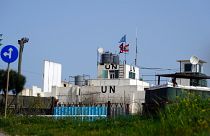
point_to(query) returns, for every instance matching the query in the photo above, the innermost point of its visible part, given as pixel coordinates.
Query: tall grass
(188, 116)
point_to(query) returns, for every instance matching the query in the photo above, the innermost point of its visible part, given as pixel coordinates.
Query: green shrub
(190, 115)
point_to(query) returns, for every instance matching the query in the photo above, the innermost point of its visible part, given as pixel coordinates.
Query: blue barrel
(56, 111)
(73, 110)
(70, 110)
(99, 111)
(89, 111)
(66, 110)
(76, 110)
(86, 110)
(104, 111)
(62, 110)
(96, 110)
(93, 110)
(79, 111)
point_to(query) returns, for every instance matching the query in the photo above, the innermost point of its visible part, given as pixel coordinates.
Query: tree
(15, 84)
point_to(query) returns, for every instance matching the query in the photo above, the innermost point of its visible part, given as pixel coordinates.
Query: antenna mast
(136, 48)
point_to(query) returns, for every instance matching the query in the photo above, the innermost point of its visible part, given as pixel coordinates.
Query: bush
(190, 115)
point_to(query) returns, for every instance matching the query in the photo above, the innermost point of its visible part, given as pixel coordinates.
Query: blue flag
(123, 39)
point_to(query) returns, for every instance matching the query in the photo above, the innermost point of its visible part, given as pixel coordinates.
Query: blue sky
(70, 31)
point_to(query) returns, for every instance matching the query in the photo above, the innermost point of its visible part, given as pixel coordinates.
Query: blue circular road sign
(9, 53)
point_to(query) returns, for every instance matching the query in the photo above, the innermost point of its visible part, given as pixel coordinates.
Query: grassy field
(191, 116)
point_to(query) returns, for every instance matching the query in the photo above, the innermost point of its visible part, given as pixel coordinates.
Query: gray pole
(21, 42)
(19, 70)
(20, 58)
(5, 109)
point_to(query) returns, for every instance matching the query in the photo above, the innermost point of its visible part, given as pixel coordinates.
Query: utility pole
(21, 42)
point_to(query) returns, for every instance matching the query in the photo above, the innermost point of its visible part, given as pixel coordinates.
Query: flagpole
(125, 57)
(125, 52)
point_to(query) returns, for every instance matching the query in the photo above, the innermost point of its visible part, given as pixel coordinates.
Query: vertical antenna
(97, 57)
(136, 48)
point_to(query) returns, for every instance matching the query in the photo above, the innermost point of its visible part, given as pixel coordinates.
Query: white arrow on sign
(9, 53)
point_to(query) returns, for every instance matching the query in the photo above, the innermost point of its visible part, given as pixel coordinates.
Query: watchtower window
(112, 74)
(188, 67)
(132, 75)
(200, 68)
(104, 74)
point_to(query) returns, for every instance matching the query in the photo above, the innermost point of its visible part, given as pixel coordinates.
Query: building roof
(190, 75)
(170, 85)
(200, 61)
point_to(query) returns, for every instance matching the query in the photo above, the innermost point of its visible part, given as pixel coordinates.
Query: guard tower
(193, 67)
(191, 73)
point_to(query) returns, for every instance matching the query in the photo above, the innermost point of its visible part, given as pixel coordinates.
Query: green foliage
(190, 111)
(189, 116)
(15, 82)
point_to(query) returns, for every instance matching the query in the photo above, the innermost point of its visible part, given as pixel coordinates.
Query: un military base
(118, 101)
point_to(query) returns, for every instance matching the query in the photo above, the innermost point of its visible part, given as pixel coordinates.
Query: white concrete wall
(181, 81)
(26, 92)
(128, 91)
(100, 69)
(66, 94)
(117, 82)
(134, 69)
(122, 94)
(52, 75)
(35, 91)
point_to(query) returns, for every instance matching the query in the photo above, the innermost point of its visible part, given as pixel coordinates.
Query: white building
(117, 83)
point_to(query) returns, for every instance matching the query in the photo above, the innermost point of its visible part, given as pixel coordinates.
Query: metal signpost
(9, 54)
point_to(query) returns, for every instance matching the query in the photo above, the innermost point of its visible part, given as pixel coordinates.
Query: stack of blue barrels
(89, 113)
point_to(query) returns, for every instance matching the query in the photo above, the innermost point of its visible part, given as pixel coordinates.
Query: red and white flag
(124, 48)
